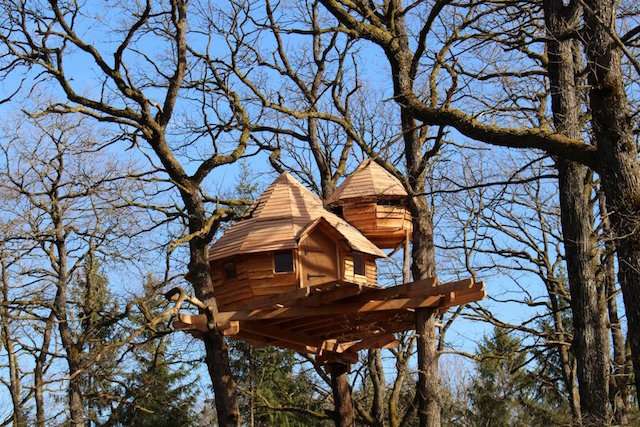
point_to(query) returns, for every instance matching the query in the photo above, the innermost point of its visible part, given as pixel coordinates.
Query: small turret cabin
(289, 241)
(374, 201)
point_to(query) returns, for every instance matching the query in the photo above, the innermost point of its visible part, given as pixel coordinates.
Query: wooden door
(319, 259)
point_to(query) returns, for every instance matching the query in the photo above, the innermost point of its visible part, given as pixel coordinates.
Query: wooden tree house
(374, 201)
(298, 276)
(289, 242)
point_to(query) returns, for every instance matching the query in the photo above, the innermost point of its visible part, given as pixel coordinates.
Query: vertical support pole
(406, 260)
(344, 414)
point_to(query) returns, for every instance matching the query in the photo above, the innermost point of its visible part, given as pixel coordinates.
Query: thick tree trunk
(76, 405)
(423, 266)
(588, 307)
(217, 353)
(344, 414)
(217, 358)
(376, 373)
(617, 156)
(344, 411)
(428, 387)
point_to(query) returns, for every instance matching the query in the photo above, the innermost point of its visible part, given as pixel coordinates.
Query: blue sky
(374, 72)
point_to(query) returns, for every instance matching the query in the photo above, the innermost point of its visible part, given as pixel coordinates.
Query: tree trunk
(428, 387)
(38, 372)
(74, 395)
(423, 266)
(588, 305)
(15, 386)
(588, 308)
(69, 342)
(376, 373)
(618, 388)
(344, 415)
(217, 353)
(617, 156)
(217, 358)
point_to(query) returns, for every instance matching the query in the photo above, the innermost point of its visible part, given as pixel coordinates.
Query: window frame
(275, 264)
(360, 256)
(225, 271)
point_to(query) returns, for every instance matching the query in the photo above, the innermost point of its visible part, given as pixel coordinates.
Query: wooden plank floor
(335, 320)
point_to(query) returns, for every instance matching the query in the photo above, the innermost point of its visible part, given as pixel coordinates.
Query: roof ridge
(274, 223)
(368, 179)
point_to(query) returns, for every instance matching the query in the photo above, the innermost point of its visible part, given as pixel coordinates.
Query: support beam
(280, 334)
(330, 310)
(379, 341)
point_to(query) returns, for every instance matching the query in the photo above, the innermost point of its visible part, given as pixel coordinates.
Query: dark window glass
(391, 202)
(358, 264)
(283, 262)
(229, 270)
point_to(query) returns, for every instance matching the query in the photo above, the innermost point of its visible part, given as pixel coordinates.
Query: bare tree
(612, 156)
(7, 325)
(590, 338)
(511, 226)
(139, 89)
(61, 206)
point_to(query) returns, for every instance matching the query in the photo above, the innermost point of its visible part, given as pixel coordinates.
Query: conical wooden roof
(368, 180)
(279, 217)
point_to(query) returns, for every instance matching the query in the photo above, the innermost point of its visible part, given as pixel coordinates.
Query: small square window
(358, 264)
(229, 270)
(283, 262)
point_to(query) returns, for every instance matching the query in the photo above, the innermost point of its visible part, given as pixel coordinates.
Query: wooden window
(283, 262)
(358, 264)
(229, 270)
(391, 202)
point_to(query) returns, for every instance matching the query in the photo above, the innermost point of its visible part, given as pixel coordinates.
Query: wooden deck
(335, 320)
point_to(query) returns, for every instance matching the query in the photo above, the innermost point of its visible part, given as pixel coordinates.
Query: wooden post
(406, 260)
(344, 414)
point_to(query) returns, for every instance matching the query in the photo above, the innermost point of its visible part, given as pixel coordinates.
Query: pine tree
(269, 379)
(94, 310)
(159, 389)
(500, 391)
(159, 395)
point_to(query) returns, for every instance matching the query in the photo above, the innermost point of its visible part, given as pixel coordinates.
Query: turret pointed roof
(279, 217)
(368, 180)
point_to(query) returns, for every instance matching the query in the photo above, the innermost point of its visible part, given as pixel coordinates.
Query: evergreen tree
(500, 393)
(159, 389)
(159, 395)
(94, 310)
(270, 380)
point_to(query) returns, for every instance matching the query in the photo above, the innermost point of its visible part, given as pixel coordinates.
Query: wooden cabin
(375, 202)
(290, 241)
(298, 276)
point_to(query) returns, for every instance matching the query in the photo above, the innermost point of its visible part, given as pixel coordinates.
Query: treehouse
(290, 241)
(374, 201)
(297, 276)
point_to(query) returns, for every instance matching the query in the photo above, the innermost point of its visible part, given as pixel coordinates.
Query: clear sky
(502, 283)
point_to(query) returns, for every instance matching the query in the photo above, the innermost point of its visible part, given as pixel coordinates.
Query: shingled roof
(368, 180)
(279, 217)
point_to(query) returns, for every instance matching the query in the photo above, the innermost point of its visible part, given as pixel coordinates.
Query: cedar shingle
(278, 218)
(368, 180)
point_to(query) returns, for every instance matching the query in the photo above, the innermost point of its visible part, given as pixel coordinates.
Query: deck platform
(334, 321)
